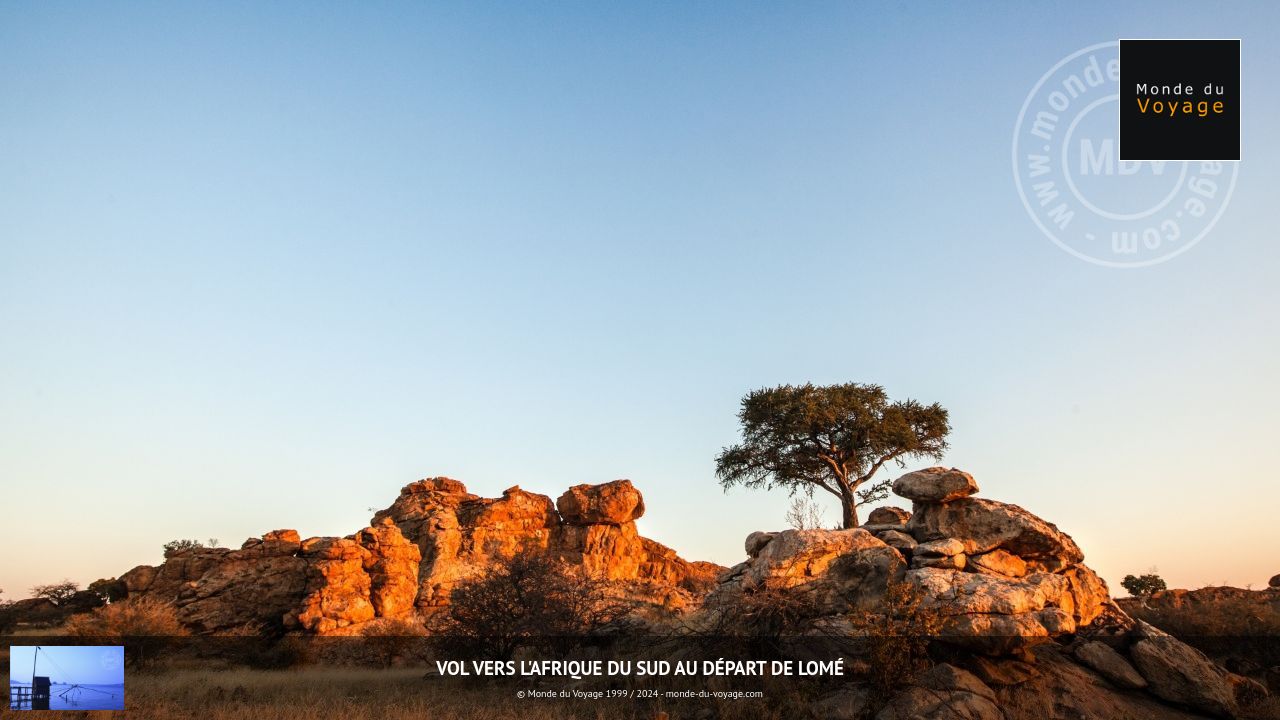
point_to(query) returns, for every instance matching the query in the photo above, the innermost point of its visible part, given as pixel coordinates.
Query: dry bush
(136, 617)
(394, 640)
(805, 513)
(899, 634)
(530, 601)
(1226, 618)
(145, 626)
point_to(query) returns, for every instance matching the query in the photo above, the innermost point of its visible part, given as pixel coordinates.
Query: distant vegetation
(175, 546)
(57, 593)
(1141, 586)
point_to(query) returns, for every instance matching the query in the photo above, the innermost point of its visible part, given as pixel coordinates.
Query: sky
(263, 264)
(78, 665)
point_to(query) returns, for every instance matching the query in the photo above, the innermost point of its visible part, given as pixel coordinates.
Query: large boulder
(839, 570)
(888, 516)
(996, 614)
(986, 525)
(1064, 689)
(139, 579)
(944, 692)
(612, 503)
(1108, 663)
(1274, 581)
(1180, 674)
(935, 485)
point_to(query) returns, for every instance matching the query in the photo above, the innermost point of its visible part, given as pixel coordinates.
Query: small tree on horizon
(56, 593)
(833, 437)
(1143, 586)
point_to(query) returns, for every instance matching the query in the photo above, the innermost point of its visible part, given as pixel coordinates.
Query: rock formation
(1007, 588)
(1029, 630)
(434, 536)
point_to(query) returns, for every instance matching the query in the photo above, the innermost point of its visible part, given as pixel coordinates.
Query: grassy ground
(333, 693)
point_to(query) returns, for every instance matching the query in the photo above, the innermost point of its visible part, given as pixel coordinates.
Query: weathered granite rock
(1063, 689)
(756, 541)
(847, 703)
(139, 579)
(999, 562)
(899, 541)
(944, 692)
(392, 566)
(935, 485)
(986, 525)
(1109, 664)
(1181, 674)
(840, 570)
(888, 516)
(612, 503)
(250, 588)
(337, 587)
(434, 536)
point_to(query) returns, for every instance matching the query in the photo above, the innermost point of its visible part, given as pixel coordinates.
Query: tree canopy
(1142, 586)
(831, 437)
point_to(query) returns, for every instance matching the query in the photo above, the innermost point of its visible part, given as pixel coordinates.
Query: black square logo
(1179, 99)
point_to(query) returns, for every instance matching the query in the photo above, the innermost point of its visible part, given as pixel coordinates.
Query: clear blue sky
(263, 264)
(75, 664)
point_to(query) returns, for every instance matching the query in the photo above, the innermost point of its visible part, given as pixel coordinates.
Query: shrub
(176, 546)
(900, 636)
(389, 640)
(532, 600)
(148, 625)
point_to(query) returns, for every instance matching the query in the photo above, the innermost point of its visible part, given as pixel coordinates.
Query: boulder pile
(1039, 632)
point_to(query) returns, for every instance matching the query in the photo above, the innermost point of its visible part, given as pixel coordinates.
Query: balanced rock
(935, 485)
(612, 503)
(1274, 581)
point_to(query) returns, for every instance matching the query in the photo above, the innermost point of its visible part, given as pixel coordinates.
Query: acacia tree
(57, 593)
(831, 437)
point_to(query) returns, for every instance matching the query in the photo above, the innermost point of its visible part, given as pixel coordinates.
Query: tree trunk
(849, 507)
